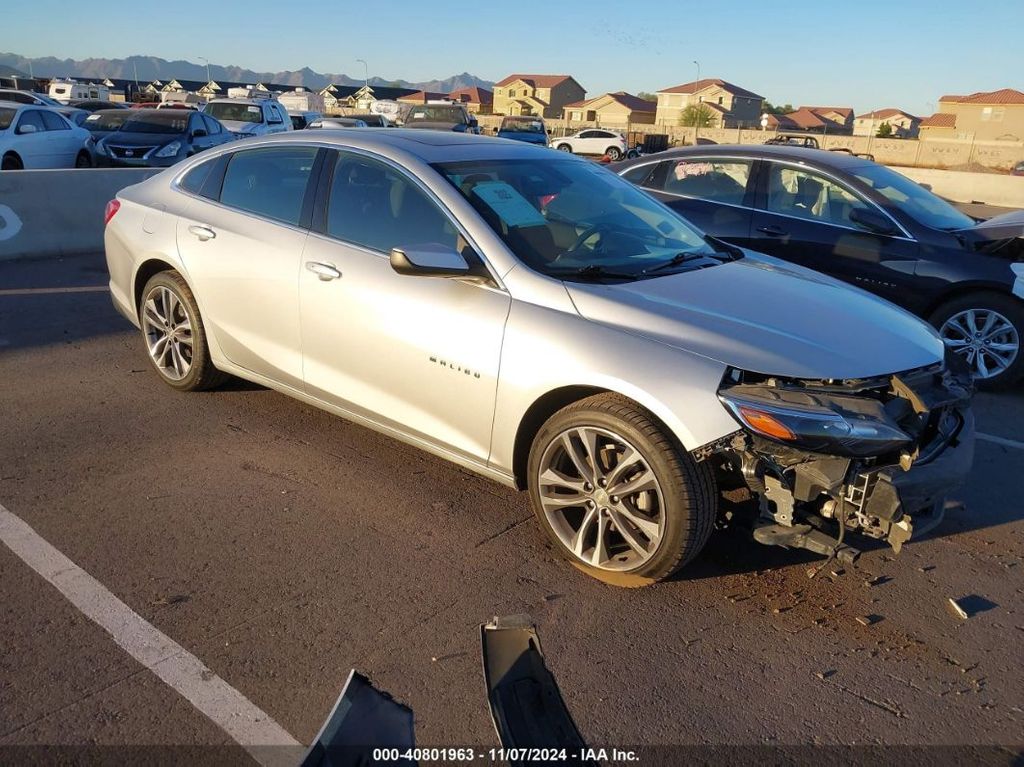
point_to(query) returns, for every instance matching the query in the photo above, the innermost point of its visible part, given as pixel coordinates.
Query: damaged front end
(875, 456)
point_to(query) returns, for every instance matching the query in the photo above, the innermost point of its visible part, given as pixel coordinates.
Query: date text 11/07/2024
(512, 755)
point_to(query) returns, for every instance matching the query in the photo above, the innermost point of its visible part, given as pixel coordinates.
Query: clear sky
(867, 54)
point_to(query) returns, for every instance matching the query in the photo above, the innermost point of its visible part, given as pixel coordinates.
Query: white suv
(593, 141)
(250, 117)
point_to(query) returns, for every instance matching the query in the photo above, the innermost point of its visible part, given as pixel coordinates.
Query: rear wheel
(174, 334)
(614, 153)
(11, 161)
(615, 494)
(564, 148)
(986, 330)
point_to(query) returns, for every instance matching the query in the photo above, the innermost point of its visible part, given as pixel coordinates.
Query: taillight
(112, 207)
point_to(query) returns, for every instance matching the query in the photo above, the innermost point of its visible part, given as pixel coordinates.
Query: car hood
(130, 138)
(530, 138)
(762, 315)
(1004, 227)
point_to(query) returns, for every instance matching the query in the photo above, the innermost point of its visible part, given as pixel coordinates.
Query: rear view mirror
(872, 220)
(429, 261)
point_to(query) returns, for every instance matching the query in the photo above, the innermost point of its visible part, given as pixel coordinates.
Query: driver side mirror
(23, 129)
(198, 133)
(429, 261)
(872, 220)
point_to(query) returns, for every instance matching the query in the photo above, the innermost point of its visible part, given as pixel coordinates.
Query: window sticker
(511, 207)
(253, 109)
(684, 169)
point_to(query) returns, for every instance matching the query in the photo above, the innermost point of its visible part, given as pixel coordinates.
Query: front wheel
(11, 161)
(616, 495)
(564, 148)
(83, 160)
(986, 330)
(174, 334)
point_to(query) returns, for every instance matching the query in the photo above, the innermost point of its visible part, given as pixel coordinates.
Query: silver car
(535, 318)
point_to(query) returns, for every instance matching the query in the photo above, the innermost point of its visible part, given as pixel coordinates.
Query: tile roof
(939, 120)
(806, 119)
(846, 112)
(708, 82)
(632, 102)
(474, 95)
(881, 114)
(1001, 96)
(537, 81)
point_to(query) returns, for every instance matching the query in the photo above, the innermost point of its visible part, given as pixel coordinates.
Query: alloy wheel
(985, 338)
(168, 330)
(601, 498)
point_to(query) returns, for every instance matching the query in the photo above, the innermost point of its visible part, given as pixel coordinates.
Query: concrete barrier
(58, 212)
(959, 186)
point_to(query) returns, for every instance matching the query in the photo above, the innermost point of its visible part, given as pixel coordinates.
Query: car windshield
(574, 219)
(166, 121)
(431, 113)
(521, 126)
(912, 198)
(6, 117)
(106, 121)
(244, 113)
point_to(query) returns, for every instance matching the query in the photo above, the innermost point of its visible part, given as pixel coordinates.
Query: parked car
(34, 137)
(791, 139)
(449, 117)
(337, 122)
(94, 105)
(101, 124)
(593, 141)
(529, 129)
(302, 120)
(539, 320)
(1018, 169)
(250, 117)
(38, 99)
(866, 224)
(144, 105)
(160, 137)
(374, 121)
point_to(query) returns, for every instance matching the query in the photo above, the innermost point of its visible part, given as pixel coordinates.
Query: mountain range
(147, 68)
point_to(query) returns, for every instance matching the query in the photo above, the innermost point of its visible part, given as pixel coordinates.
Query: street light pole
(700, 107)
(366, 73)
(207, 62)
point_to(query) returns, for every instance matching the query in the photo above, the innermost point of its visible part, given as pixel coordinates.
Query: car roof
(427, 145)
(838, 160)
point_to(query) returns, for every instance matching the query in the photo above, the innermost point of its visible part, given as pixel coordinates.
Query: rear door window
(723, 181)
(54, 121)
(269, 182)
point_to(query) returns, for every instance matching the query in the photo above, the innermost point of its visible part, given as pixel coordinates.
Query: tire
(678, 506)
(614, 153)
(11, 161)
(564, 148)
(170, 359)
(1004, 368)
(83, 160)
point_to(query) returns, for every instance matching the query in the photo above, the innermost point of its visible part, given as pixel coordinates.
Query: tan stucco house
(985, 116)
(730, 105)
(903, 124)
(543, 95)
(619, 109)
(478, 101)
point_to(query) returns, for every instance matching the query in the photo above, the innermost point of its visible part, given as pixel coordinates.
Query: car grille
(130, 151)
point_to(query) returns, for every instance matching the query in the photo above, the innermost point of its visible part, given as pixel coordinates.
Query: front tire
(614, 153)
(986, 329)
(11, 161)
(83, 160)
(616, 495)
(565, 148)
(175, 338)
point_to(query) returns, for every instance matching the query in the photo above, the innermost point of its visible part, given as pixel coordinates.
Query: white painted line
(47, 291)
(226, 707)
(999, 440)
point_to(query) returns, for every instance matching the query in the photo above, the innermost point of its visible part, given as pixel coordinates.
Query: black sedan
(863, 223)
(157, 138)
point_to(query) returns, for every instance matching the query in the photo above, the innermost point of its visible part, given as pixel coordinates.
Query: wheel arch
(146, 271)
(962, 289)
(15, 155)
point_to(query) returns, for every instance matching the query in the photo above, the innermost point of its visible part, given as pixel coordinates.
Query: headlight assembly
(171, 150)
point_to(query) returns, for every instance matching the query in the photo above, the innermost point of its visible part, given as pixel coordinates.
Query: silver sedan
(533, 317)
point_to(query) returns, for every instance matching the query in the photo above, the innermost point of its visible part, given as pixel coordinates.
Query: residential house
(342, 97)
(479, 101)
(541, 95)
(421, 97)
(903, 124)
(618, 109)
(986, 116)
(825, 120)
(730, 106)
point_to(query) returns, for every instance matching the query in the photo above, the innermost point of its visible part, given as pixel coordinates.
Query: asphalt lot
(283, 546)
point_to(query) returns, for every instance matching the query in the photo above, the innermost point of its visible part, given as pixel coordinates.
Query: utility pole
(366, 73)
(207, 61)
(700, 106)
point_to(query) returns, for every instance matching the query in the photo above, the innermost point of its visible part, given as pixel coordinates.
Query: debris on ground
(868, 620)
(956, 610)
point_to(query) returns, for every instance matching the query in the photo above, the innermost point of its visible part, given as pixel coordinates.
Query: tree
(884, 131)
(696, 116)
(781, 109)
(647, 96)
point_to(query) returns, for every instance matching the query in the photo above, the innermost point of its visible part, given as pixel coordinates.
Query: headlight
(170, 150)
(816, 424)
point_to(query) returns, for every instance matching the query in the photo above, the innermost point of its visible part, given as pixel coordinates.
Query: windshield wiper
(595, 272)
(677, 259)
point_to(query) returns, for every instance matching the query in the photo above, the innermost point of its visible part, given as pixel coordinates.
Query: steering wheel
(589, 232)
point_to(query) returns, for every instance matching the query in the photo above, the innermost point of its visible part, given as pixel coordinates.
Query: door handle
(204, 233)
(772, 231)
(326, 272)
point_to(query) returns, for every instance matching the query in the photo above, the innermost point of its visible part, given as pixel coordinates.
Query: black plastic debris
(526, 704)
(363, 719)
